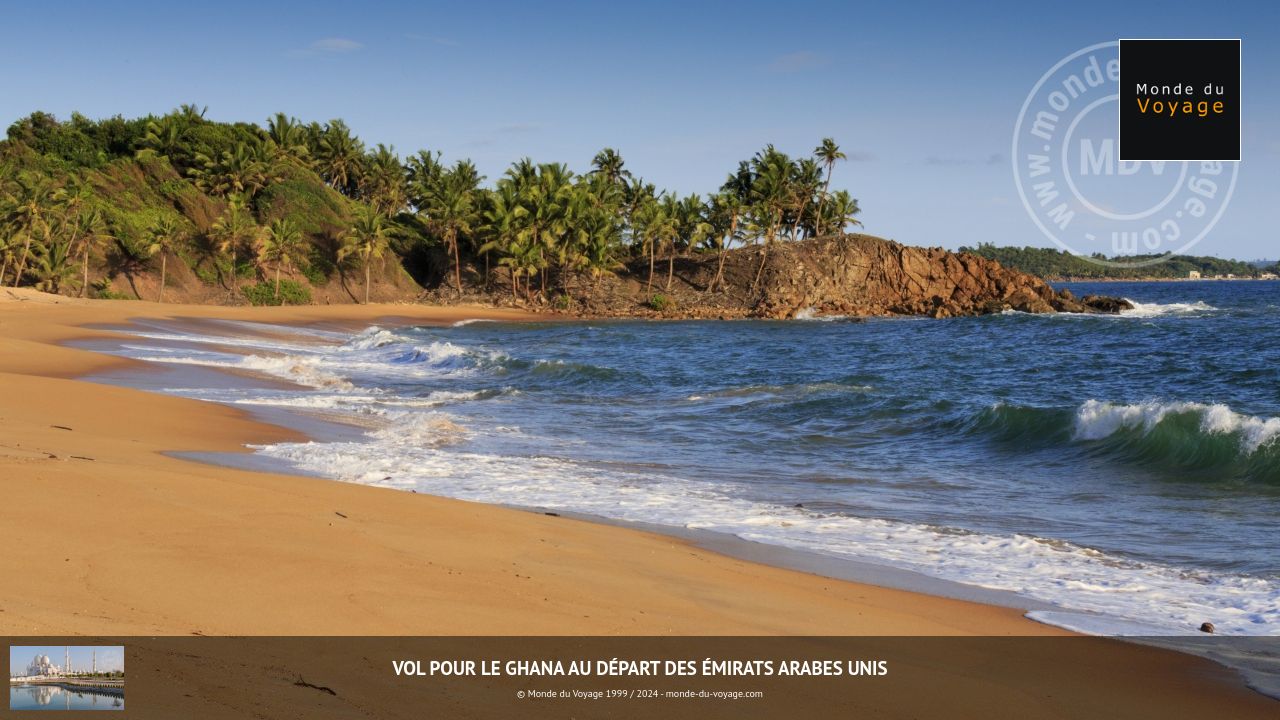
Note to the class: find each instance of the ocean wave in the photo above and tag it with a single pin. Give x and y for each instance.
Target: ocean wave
(433, 457)
(1148, 310)
(373, 337)
(302, 370)
(370, 403)
(1096, 420)
(1211, 439)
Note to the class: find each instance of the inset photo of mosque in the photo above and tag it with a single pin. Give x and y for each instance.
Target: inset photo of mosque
(66, 677)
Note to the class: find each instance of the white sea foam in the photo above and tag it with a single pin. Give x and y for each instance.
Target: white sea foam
(1096, 420)
(376, 403)
(427, 457)
(810, 313)
(417, 444)
(1139, 310)
(1147, 310)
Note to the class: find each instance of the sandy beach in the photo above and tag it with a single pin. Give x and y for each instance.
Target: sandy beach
(118, 537)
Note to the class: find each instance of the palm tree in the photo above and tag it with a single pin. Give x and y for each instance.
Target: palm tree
(686, 224)
(806, 174)
(598, 233)
(502, 217)
(636, 196)
(383, 182)
(771, 191)
(6, 254)
(423, 172)
(608, 164)
(651, 224)
(287, 139)
(827, 153)
(726, 209)
(91, 229)
(53, 266)
(163, 137)
(367, 240)
(451, 209)
(522, 260)
(544, 192)
(839, 213)
(73, 197)
(280, 245)
(341, 155)
(34, 203)
(164, 234)
(230, 232)
(244, 170)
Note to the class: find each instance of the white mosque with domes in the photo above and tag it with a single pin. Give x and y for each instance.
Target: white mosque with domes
(42, 666)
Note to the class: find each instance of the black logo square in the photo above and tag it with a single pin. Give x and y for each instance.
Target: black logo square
(1179, 100)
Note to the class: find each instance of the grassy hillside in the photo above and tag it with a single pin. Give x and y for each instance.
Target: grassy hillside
(103, 208)
(181, 207)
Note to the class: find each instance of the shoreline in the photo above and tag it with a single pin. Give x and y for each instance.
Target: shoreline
(236, 526)
(1156, 280)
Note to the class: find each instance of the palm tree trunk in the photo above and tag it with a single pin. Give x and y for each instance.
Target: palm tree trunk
(457, 265)
(85, 283)
(4, 268)
(366, 282)
(826, 187)
(724, 249)
(671, 267)
(164, 272)
(277, 281)
(651, 254)
(514, 298)
(763, 256)
(22, 264)
(719, 267)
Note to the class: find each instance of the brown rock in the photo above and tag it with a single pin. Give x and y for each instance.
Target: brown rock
(1105, 304)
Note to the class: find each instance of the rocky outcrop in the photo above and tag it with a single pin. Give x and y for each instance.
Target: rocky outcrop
(863, 275)
(849, 275)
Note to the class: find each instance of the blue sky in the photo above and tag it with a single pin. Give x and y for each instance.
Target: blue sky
(923, 96)
(109, 657)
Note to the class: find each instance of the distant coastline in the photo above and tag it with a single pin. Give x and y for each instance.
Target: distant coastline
(1155, 279)
(1058, 266)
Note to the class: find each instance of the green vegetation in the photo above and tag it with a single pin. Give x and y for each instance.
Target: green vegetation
(279, 292)
(236, 201)
(1057, 265)
(662, 303)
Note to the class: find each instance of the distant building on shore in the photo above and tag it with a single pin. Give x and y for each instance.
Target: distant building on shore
(1193, 275)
